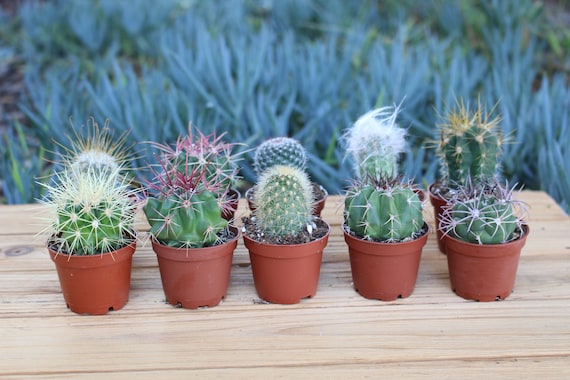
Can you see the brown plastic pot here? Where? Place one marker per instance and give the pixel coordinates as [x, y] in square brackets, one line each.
[384, 271]
[195, 277]
[318, 206]
[285, 274]
[438, 203]
[95, 284]
[483, 272]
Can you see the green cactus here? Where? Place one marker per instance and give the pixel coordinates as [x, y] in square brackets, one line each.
[375, 143]
[93, 210]
[283, 201]
[469, 146]
[485, 213]
[384, 210]
[279, 151]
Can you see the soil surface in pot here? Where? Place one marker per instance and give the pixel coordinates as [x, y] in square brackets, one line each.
[320, 229]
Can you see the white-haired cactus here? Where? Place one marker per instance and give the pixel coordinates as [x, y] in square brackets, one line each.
[94, 210]
[469, 146]
[283, 201]
[383, 210]
[375, 143]
[189, 193]
[484, 213]
[279, 151]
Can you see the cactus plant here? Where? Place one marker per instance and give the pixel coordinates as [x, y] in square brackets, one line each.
[279, 151]
[469, 146]
[189, 192]
[375, 142]
[283, 201]
[483, 213]
[384, 210]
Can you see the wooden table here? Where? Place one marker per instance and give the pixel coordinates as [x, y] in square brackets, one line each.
[337, 334]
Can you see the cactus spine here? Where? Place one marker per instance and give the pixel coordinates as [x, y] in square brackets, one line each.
[279, 151]
[386, 210]
[469, 146]
[484, 213]
[190, 192]
[283, 200]
[375, 142]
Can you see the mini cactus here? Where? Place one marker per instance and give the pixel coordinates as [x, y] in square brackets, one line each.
[283, 201]
[386, 210]
[93, 210]
[375, 142]
[189, 193]
[483, 213]
[279, 151]
[469, 146]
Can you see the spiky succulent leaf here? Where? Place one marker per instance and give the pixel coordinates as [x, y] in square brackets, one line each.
[283, 201]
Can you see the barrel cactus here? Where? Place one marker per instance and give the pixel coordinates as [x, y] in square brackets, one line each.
[386, 210]
[469, 146]
[189, 193]
[279, 151]
[483, 213]
[375, 143]
[93, 210]
[283, 201]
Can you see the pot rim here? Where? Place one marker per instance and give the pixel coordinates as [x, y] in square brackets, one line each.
[521, 239]
[354, 237]
[198, 250]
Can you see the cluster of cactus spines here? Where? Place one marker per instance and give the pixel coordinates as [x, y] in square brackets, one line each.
[98, 149]
[94, 210]
[207, 153]
[483, 213]
[375, 142]
[283, 201]
[386, 210]
[189, 193]
[469, 146]
[279, 151]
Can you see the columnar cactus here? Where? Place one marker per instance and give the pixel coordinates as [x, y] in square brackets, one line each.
[189, 193]
[279, 151]
[283, 201]
[383, 210]
[94, 210]
[375, 143]
[469, 146]
[485, 213]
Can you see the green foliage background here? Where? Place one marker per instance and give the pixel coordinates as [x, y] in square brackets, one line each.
[300, 68]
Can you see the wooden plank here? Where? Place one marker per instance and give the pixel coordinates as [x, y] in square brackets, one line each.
[336, 334]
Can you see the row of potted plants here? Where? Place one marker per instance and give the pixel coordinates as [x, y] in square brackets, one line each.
[190, 203]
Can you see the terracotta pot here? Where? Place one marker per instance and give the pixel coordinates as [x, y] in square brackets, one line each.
[195, 277]
[285, 274]
[234, 197]
[483, 272]
[318, 206]
[438, 203]
[95, 284]
[384, 271]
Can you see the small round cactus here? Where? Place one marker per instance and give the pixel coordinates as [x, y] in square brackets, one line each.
[375, 143]
[283, 201]
[383, 210]
[279, 151]
[94, 210]
[469, 146]
[485, 213]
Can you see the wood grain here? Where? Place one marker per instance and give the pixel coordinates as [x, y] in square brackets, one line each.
[337, 334]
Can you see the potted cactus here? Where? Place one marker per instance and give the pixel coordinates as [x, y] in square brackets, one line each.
[289, 152]
[469, 147]
[187, 205]
[285, 240]
[383, 222]
[92, 210]
[484, 232]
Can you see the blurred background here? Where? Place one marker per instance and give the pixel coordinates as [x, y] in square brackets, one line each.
[300, 68]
